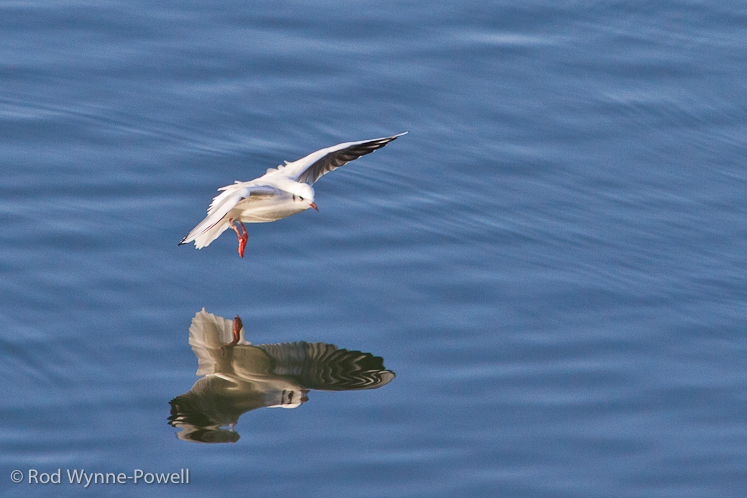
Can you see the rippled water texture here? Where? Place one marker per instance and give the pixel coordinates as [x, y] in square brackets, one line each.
[552, 261]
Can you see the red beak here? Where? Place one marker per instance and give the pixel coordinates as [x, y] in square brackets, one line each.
[314, 206]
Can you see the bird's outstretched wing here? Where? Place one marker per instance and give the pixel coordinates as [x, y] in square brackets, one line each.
[310, 168]
[211, 227]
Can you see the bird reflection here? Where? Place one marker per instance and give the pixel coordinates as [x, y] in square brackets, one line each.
[240, 377]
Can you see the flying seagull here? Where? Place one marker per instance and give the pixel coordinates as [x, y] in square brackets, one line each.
[279, 193]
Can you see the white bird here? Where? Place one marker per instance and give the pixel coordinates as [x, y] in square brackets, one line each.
[279, 193]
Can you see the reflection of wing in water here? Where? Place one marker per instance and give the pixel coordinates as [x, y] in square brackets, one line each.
[241, 377]
[324, 367]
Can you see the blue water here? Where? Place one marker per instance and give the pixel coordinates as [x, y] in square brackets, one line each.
[553, 261]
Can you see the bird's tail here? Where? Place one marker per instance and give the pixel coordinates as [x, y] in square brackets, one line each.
[203, 234]
[213, 225]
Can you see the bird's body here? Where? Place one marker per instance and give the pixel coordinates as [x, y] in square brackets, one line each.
[279, 193]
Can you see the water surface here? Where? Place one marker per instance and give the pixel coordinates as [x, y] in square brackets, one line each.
[552, 260]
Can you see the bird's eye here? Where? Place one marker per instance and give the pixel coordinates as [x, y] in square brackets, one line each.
[300, 197]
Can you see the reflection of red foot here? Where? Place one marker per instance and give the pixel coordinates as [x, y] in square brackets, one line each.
[243, 237]
[237, 326]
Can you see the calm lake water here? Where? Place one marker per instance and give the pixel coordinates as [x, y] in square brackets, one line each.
[539, 291]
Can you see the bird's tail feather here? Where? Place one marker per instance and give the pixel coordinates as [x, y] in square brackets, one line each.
[213, 225]
[206, 232]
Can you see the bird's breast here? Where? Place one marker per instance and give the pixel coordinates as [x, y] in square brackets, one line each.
[267, 208]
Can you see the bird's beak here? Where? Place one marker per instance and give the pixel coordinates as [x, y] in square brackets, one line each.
[314, 206]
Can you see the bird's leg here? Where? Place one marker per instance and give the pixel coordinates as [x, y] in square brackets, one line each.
[242, 237]
[237, 326]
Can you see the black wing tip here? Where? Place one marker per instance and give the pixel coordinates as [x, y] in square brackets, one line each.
[393, 137]
[361, 149]
[381, 142]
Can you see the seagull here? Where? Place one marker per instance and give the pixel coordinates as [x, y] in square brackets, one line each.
[279, 193]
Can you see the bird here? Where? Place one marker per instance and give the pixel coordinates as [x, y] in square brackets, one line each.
[279, 193]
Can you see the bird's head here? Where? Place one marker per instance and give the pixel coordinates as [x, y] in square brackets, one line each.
[304, 194]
